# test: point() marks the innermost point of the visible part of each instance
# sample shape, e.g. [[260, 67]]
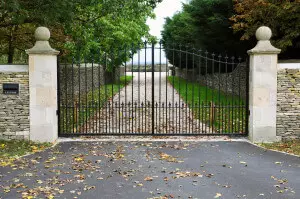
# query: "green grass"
[[89, 105], [292, 147], [11, 149], [200, 98]]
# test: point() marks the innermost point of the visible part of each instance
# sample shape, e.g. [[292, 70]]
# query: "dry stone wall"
[[14, 109], [230, 83], [75, 80], [288, 104]]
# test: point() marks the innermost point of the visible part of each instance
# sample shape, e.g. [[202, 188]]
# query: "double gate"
[[138, 91]]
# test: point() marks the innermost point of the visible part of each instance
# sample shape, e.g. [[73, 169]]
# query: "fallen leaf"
[[148, 178]]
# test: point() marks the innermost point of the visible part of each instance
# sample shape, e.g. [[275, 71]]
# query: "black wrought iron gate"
[[138, 91]]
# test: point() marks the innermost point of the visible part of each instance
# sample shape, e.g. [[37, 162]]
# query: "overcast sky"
[[167, 8]]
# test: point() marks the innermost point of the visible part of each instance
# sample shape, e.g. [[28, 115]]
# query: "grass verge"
[[291, 147], [75, 116], [12, 149], [223, 112]]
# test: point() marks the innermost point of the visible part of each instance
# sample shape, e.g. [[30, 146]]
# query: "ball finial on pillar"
[[263, 33], [42, 34]]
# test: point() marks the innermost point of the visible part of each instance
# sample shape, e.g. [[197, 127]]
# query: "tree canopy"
[[76, 25], [282, 16], [203, 24]]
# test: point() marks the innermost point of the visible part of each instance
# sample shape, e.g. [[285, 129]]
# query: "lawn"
[[223, 112], [292, 147], [74, 117], [12, 149]]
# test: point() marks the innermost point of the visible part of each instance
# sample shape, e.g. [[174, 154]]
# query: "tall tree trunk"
[[11, 52], [11, 49]]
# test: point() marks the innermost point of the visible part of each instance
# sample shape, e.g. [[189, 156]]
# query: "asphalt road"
[[137, 170]]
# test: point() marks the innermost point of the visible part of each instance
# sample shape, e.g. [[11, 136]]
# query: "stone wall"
[[288, 104], [90, 78], [14, 109], [141, 68], [233, 82]]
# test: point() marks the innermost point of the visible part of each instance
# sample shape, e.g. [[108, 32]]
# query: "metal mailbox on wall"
[[11, 89]]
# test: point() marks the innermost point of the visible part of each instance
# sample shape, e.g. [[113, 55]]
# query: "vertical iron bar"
[[66, 99], [73, 102], [212, 94], [119, 91], [193, 87], [173, 90], [113, 75], [239, 102], [176, 117], [179, 101], [122, 112], [167, 75], [135, 110], [86, 96], [247, 98], [93, 103], [243, 108], [145, 83], [105, 91], [206, 93], [142, 117], [186, 89], [232, 95], [132, 50], [202, 116], [159, 101], [153, 88], [220, 119], [139, 90], [226, 94], [199, 94], [58, 98], [99, 90], [158, 126], [79, 94]]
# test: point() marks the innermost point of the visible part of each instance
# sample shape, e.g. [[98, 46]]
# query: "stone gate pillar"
[[43, 88], [263, 88]]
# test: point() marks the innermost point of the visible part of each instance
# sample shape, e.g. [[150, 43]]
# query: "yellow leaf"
[[218, 195], [148, 178], [50, 197]]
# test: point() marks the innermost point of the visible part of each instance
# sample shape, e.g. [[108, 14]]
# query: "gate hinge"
[[56, 112], [249, 112]]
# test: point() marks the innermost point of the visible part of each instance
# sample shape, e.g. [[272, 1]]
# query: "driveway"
[[171, 114], [137, 170]]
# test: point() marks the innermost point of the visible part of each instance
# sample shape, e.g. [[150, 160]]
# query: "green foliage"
[[15, 148], [78, 27], [281, 16], [203, 24], [292, 146]]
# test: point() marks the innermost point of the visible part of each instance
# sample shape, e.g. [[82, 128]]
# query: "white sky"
[[167, 8]]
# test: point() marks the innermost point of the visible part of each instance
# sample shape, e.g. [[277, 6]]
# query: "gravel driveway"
[[130, 111], [148, 170]]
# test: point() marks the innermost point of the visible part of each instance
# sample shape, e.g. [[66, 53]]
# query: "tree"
[[178, 33], [75, 24], [203, 24], [18, 19], [281, 16]]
